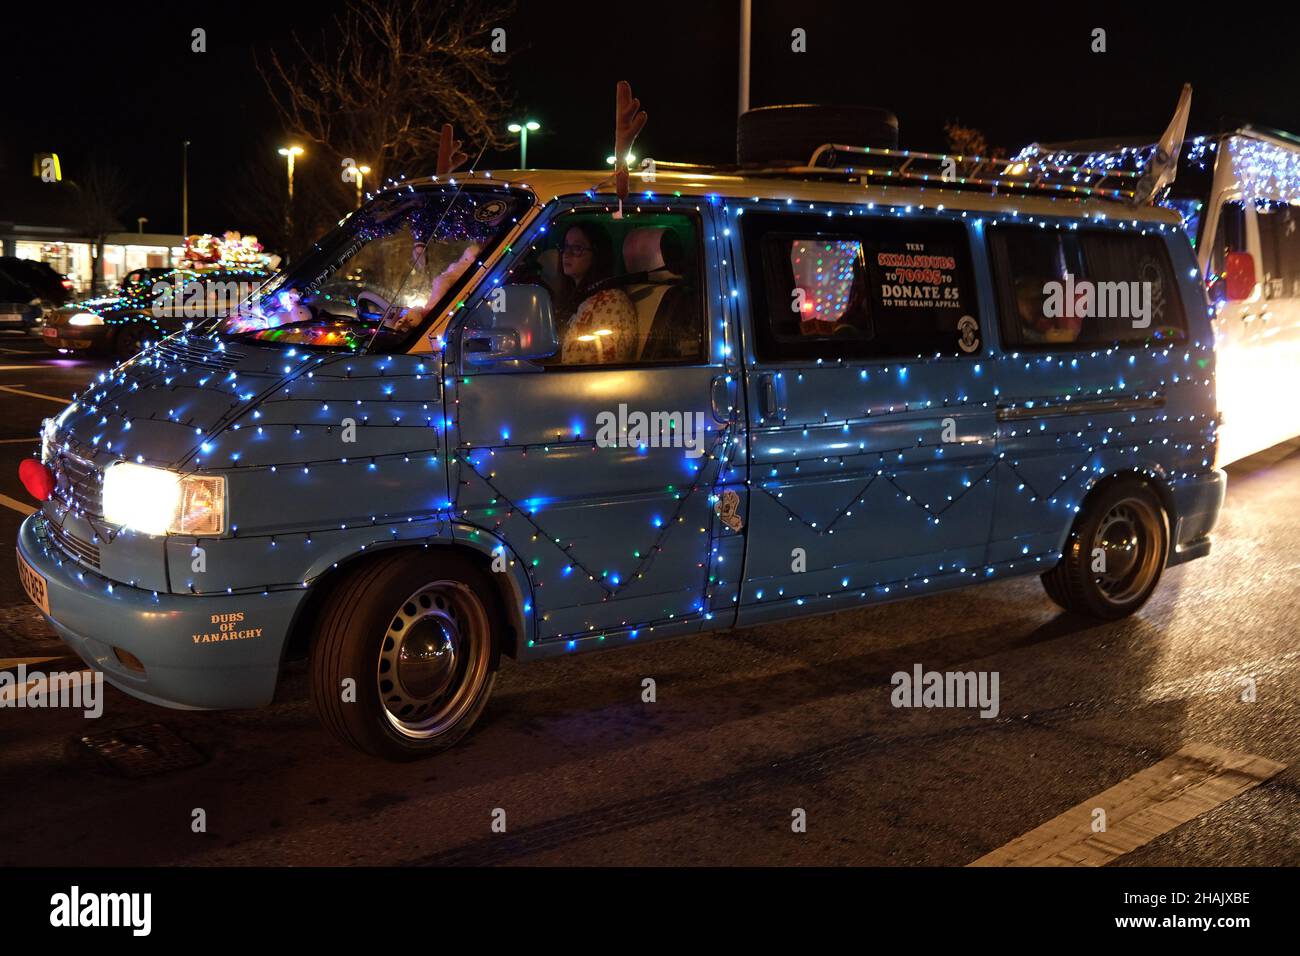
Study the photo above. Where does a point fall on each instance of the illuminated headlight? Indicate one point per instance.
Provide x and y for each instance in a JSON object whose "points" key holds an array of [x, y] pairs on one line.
{"points": [[158, 501], [86, 318]]}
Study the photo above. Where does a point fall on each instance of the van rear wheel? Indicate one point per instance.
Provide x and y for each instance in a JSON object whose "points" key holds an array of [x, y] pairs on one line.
{"points": [[405, 654], [1114, 555]]}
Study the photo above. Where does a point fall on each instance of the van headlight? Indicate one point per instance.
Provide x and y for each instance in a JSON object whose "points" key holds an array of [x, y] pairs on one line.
{"points": [[86, 318], [158, 501]]}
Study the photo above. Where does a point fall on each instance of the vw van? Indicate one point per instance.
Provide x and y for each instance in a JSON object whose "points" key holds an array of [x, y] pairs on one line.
{"points": [[508, 414]]}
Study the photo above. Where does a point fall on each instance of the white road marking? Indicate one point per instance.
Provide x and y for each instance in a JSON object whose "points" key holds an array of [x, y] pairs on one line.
{"points": [[48, 398], [11, 663], [1198, 778], [21, 507]]}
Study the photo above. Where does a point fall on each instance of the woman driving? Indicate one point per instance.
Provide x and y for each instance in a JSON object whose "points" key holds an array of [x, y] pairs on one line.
{"points": [[596, 327]]}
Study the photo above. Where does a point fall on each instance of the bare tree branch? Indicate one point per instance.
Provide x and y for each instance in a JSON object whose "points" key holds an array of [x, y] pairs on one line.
{"points": [[380, 83]]}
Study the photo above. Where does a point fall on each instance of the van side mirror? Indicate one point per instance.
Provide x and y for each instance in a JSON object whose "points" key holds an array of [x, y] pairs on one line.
{"points": [[513, 322], [1239, 276]]}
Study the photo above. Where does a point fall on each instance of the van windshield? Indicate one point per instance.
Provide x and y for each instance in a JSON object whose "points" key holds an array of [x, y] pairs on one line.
{"points": [[372, 282]]}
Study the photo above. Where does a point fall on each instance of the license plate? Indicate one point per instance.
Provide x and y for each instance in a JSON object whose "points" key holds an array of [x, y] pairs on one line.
{"points": [[34, 585], [50, 333]]}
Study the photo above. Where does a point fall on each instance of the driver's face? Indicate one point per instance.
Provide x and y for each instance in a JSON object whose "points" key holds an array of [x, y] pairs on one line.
{"points": [[576, 255]]}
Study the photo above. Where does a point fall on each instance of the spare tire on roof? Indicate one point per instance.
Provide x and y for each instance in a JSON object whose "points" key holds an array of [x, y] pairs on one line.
{"points": [[788, 135]]}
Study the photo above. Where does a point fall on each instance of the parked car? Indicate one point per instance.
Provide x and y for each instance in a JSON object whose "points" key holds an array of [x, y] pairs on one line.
{"points": [[517, 415], [27, 289], [18, 312], [149, 305]]}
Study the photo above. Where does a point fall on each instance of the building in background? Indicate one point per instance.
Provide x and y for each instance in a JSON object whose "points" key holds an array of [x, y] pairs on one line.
{"points": [[45, 221]]}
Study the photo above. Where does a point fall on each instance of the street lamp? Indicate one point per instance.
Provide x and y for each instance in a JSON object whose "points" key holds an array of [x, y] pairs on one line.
{"points": [[523, 129], [289, 153], [362, 172], [185, 188]]}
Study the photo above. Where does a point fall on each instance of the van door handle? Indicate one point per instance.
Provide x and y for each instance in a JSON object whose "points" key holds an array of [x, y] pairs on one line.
{"points": [[722, 397], [768, 404]]}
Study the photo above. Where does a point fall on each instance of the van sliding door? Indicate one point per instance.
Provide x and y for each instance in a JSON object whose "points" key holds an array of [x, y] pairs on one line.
{"points": [[870, 407]]}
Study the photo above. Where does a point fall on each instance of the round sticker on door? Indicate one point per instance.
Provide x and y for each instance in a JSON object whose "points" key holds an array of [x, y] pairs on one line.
{"points": [[968, 333], [490, 211]]}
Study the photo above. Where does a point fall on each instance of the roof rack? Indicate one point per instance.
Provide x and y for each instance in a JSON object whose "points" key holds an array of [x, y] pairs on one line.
{"points": [[950, 170]]}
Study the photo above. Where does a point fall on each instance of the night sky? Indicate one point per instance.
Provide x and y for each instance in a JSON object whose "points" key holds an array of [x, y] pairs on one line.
{"points": [[126, 86]]}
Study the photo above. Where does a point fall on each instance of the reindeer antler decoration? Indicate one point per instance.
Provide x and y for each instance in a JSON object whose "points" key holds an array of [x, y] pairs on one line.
{"points": [[629, 120], [450, 156]]}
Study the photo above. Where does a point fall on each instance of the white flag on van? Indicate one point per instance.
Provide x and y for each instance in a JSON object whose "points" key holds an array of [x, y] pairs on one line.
{"points": [[1163, 165]]}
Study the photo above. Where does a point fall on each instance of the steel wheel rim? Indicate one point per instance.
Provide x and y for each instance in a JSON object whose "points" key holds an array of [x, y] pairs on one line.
{"points": [[433, 659], [1129, 538]]}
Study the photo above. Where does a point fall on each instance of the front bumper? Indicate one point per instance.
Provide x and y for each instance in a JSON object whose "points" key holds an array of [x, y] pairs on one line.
{"points": [[198, 652]]}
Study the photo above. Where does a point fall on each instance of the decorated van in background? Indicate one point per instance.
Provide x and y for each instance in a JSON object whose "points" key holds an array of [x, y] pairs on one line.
{"points": [[530, 413], [215, 273], [1237, 193]]}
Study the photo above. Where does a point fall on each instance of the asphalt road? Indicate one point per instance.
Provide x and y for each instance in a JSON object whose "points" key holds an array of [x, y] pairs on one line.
{"points": [[748, 727]]}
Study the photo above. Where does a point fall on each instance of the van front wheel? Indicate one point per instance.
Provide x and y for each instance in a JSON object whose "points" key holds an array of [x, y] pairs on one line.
{"points": [[405, 654], [1114, 554]]}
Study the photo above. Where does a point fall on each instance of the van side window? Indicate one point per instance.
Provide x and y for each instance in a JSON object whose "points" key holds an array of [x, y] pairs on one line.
{"points": [[1114, 262], [1083, 288], [626, 291], [1279, 248], [827, 293], [868, 288], [1028, 260]]}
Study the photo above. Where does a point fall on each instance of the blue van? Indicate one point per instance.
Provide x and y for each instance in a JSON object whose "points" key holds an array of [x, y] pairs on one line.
{"points": [[506, 414]]}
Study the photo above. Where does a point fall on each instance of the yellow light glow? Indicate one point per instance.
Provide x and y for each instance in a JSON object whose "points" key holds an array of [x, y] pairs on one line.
{"points": [[142, 498], [1253, 384]]}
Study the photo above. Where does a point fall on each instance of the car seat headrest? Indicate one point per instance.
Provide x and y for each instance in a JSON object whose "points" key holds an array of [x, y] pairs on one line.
{"points": [[650, 249]]}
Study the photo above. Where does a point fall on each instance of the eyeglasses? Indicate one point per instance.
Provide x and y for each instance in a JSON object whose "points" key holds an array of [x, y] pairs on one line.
{"points": [[570, 249]]}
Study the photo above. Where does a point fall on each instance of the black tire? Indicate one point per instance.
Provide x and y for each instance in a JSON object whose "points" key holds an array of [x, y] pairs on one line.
{"points": [[1052, 586], [788, 135], [411, 700], [1126, 520]]}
